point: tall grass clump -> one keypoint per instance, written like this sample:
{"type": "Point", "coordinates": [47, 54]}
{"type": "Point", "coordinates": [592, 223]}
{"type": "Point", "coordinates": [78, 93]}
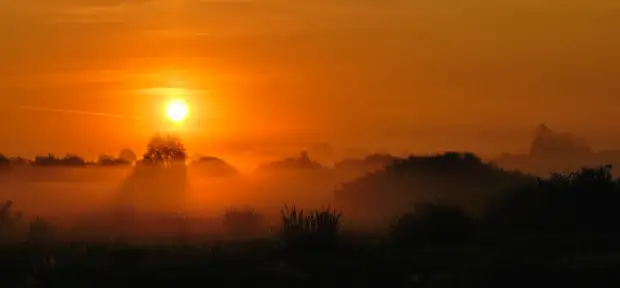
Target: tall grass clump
{"type": "Point", "coordinates": [243, 223]}
{"type": "Point", "coordinates": [316, 228]}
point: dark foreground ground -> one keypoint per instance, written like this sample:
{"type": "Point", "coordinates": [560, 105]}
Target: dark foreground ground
{"type": "Point", "coordinates": [556, 232]}
{"type": "Point", "coordinates": [355, 262]}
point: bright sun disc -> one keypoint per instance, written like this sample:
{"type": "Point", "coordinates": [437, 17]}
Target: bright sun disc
{"type": "Point", "coordinates": [177, 110]}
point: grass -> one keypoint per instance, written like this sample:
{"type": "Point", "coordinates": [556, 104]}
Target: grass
{"type": "Point", "coordinates": [313, 228]}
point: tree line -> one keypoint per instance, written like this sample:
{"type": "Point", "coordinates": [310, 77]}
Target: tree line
{"type": "Point", "coordinates": [125, 158]}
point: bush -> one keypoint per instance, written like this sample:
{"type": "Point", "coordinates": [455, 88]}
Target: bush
{"type": "Point", "coordinates": [41, 231]}
{"type": "Point", "coordinates": [243, 223]}
{"type": "Point", "coordinates": [9, 221]}
{"type": "Point", "coordinates": [432, 223]}
{"type": "Point", "coordinates": [580, 202]}
{"type": "Point", "coordinates": [316, 228]}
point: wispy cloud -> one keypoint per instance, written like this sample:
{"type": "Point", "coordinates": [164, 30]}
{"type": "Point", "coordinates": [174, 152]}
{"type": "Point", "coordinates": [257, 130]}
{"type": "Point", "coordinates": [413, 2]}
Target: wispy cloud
{"type": "Point", "coordinates": [177, 33]}
{"type": "Point", "coordinates": [70, 111]}
{"type": "Point", "coordinates": [93, 11]}
{"type": "Point", "coordinates": [108, 3]}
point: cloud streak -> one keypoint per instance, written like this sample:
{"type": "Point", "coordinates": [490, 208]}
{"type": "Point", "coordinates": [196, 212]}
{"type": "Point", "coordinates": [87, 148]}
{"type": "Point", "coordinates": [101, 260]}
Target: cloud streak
{"type": "Point", "coordinates": [75, 112]}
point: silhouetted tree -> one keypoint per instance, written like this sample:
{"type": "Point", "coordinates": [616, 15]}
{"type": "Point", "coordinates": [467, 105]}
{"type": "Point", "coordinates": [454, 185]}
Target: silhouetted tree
{"type": "Point", "coordinates": [581, 202]}
{"type": "Point", "coordinates": [457, 179]}
{"type": "Point", "coordinates": [547, 142]}
{"type": "Point", "coordinates": [371, 162]}
{"type": "Point", "coordinates": [50, 160]}
{"type": "Point", "coordinates": [107, 160]}
{"type": "Point", "coordinates": [164, 150]}
{"type": "Point", "coordinates": [214, 167]}
{"type": "Point", "coordinates": [4, 161]}
{"type": "Point", "coordinates": [352, 168]}
{"type": "Point", "coordinates": [302, 162]}
{"type": "Point", "coordinates": [19, 161]}
{"type": "Point", "coordinates": [128, 155]}
{"type": "Point", "coordinates": [159, 180]}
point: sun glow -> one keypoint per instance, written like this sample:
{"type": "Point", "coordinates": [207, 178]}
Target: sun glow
{"type": "Point", "coordinates": [177, 110]}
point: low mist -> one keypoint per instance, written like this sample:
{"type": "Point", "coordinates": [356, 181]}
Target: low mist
{"type": "Point", "coordinates": [164, 195]}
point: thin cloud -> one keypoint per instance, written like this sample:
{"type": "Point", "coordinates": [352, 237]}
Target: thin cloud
{"type": "Point", "coordinates": [107, 3]}
{"type": "Point", "coordinates": [75, 112]}
{"type": "Point", "coordinates": [178, 33]}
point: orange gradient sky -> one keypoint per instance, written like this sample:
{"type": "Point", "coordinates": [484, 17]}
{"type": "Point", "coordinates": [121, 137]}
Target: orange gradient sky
{"type": "Point", "coordinates": [271, 75]}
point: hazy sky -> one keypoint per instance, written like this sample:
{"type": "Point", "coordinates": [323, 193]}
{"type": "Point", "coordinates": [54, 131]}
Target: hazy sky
{"type": "Point", "coordinates": [420, 75]}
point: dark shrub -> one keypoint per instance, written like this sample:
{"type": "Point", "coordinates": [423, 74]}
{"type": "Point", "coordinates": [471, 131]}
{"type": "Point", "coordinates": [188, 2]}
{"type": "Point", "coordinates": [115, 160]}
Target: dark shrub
{"type": "Point", "coordinates": [432, 223]}
{"type": "Point", "coordinates": [67, 161]}
{"type": "Point", "coordinates": [9, 221]}
{"type": "Point", "coordinates": [580, 202]}
{"type": "Point", "coordinates": [243, 223]}
{"type": "Point", "coordinates": [458, 179]}
{"type": "Point", "coordinates": [41, 231]}
{"type": "Point", "coordinates": [4, 161]}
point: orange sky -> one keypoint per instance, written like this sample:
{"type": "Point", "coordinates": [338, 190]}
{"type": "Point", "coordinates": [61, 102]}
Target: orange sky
{"type": "Point", "coordinates": [262, 75]}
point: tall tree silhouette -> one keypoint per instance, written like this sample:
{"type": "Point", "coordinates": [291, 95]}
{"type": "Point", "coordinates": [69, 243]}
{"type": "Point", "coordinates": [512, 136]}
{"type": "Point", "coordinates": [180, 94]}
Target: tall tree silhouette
{"type": "Point", "coordinates": [164, 150]}
{"type": "Point", "coordinates": [158, 182]}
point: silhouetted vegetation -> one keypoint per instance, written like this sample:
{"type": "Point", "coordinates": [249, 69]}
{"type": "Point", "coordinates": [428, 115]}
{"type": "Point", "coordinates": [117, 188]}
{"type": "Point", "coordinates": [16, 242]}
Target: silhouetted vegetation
{"type": "Point", "coordinates": [107, 160]}
{"type": "Point", "coordinates": [128, 156]}
{"type": "Point", "coordinates": [316, 228]}
{"type": "Point", "coordinates": [9, 221]}
{"type": "Point", "coordinates": [432, 224]}
{"type": "Point", "coordinates": [159, 178]}
{"type": "Point", "coordinates": [244, 223]}
{"type": "Point", "coordinates": [19, 161]}
{"type": "Point", "coordinates": [547, 142]}
{"type": "Point", "coordinates": [552, 151]}
{"type": "Point", "coordinates": [4, 161]}
{"type": "Point", "coordinates": [583, 202]}
{"type": "Point", "coordinates": [41, 231]}
{"type": "Point", "coordinates": [164, 150]}
{"type": "Point", "coordinates": [66, 161]}
{"type": "Point", "coordinates": [300, 163]}
{"type": "Point", "coordinates": [458, 179]}
{"type": "Point", "coordinates": [449, 220]}
{"type": "Point", "coordinates": [369, 163]}
{"type": "Point", "coordinates": [214, 167]}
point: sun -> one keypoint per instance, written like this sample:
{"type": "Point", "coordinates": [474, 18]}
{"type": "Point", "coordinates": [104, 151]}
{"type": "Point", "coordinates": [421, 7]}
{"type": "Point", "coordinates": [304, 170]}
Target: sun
{"type": "Point", "coordinates": [177, 110]}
